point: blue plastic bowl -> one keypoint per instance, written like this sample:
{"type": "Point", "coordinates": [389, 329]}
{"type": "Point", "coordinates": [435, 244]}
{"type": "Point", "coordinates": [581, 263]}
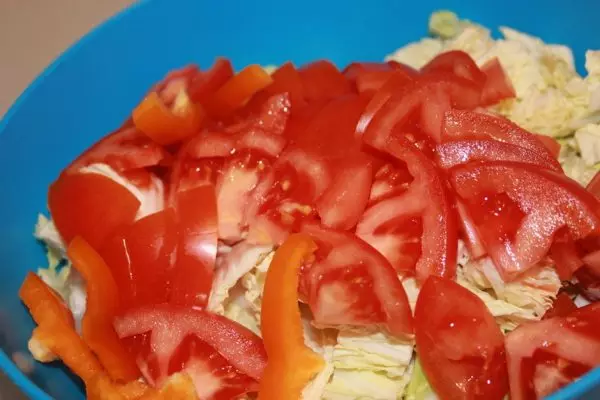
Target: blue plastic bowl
{"type": "Point", "coordinates": [92, 87]}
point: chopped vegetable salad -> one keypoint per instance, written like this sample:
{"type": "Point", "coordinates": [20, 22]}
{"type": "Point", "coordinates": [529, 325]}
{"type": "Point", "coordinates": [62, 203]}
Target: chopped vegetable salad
{"type": "Point", "coordinates": [419, 228]}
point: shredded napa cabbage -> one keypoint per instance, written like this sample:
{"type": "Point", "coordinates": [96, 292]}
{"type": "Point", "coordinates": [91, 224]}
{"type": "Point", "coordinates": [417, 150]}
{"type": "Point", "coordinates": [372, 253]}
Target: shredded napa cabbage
{"type": "Point", "coordinates": [418, 388]}
{"type": "Point", "coordinates": [552, 98]}
{"type": "Point", "coordinates": [524, 299]}
{"type": "Point", "coordinates": [369, 364]}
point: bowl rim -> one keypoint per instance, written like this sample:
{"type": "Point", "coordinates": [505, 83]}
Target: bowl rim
{"type": "Point", "coordinates": [7, 366]}
{"type": "Point", "coordinates": [573, 391]}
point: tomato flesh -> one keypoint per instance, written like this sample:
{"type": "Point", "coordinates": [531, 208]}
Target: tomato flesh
{"type": "Point", "coordinates": [459, 344]}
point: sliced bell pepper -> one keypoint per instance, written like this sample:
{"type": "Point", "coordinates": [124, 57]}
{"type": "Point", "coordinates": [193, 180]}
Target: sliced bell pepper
{"type": "Point", "coordinates": [101, 308]}
{"type": "Point", "coordinates": [166, 126]}
{"type": "Point", "coordinates": [238, 90]}
{"type": "Point", "coordinates": [178, 386]}
{"type": "Point", "coordinates": [291, 364]}
{"type": "Point", "coordinates": [56, 330]}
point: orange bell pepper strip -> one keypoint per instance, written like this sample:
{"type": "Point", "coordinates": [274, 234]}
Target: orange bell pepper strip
{"type": "Point", "coordinates": [167, 126]}
{"type": "Point", "coordinates": [56, 331]}
{"type": "Point", "coordinates": [238, 90]}
{"type": "Point", "coordinates": [291, 364]}
{"type": "Point", "coordinates": [101, 308]}
{"type": "Point", "coordinates": [178, 386]}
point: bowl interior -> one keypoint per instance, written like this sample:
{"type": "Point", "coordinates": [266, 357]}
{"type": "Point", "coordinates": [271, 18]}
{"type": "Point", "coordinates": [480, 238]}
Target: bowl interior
{"type": "Point", "coordinates": [91, 88]}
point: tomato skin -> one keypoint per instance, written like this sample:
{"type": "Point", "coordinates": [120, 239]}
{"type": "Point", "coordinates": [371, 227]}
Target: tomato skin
{"type": "Point", "coordinates": [287, 79]}
{"type": "Point", "coordinates": [428, 198]}
{"type": "Point", "coordinates": [322, 80]}
{"type": "Point", "coordinates": [196, 213]}
{"type": "Point", "coordinates": [123, 150]}
{"type": "Point", "coordinates": [342, 205]}
{"type": "Point", "coordinates": [206, 83]}
{"type": "Point", "coordinates": [497, 85]}
{"type": "Point", "coordinates": [458, 63]}
{"type": "Point", "coordinates": [348, 273]}
{"type": "Point", "coordinates": [547, 355]}
{"type": "Point", "coordinates": [461, 124]}
{"type": "Point", "coordinates": [563, 305]}
{"type": "Point", "coordinates": [140, 257]}
{"type": "Point", "coordinates": [458, 152]}
{"type": "Point", "coordinates": [525, 188]}
{"type": "Point", "coordinates": [91, 206]}
{"type": "Point", "coordinates": [165, 336]}
{"type": "Point", "coordinates": [459, 344]}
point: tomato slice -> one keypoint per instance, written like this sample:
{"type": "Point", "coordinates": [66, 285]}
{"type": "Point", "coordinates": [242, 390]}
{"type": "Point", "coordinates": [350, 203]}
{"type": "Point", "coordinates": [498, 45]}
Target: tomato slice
{"type": "Point", "coordinates": [322, 80]}
{"type": "Point", "coordinates": [547, 355]}
{"type": "Point", "coordinates": [565, 255]}
{"type": "Point", "coordinates": [124, 149]}
{"type": "Point", "coordinates": [141, 257]}
{"type": "Point", "coordinates": [390, 180]}
{"type": "Point", "coordinates": [497, 85]}
{"type": "Point", "coordinates": [221, 356]}
{"type": "Point", "coordinates": [469, 229]}
{"type": "Point", "coordinates": [458, 152]}
{"type": "Point", "coordinates": [396, 82]}
{"type": "Point", "coordinates": [460, 124]}
{"type": "Point", "coordinates": [206, 83]}
{"type": "Point", "coordinates": [91, 206]}
{"type": "Point", "coordinates": [458, 63]}
{"type": "Point", "coordinates": [551, 144]}
{"type": "Point", "coordinates": [517, 231]}
{"type": "Point", "coordinates": [563, 305]}
{"type": "Point", "coordinates": [287, 79]}
{"type": "Point", "coordinates": [343, 203]}
{"type": "Point", "coordinates": [352, 284]}
{"type": "Point", "coordinates": [196, 213]}
{"type": "Point", "coordinates": [459, 344]}
{"type": "Point", "coordinates": [389, 225]}
{"type": "Point", "coordinates": [240, 177]}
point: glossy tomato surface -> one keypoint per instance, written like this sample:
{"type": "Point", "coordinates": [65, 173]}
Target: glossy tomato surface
{"type": "Point", "coordinates": [90, 90]}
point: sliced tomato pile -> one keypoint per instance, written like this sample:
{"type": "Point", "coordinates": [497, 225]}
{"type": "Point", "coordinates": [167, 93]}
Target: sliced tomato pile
{"type": "Point", "coordinates": [385, 167]}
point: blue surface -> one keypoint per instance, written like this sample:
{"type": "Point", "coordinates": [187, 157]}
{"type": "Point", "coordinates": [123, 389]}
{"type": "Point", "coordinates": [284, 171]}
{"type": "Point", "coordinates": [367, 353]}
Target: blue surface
{"type": "Point", "coordinates": [92, 87]}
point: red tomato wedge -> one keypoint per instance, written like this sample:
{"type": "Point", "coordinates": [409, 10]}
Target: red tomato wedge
{"type": "Point", "coordinates": [458, 152]}
{"type": "Point", "coordinates": [287, 79]}
{"type": "Point", "coordinates": [470, 235]}
{"type": "Point", "coordinates": [551, 144]}
{"type": "Point", "coordinates": [396, 82]}
{"type": "Point", "coordinates": [389, 226]}
{"type": "Point", "coordinates": [125, 149]}
{"type": "Point", "coordinates": [546, 356]}
{"type": "Point", "coordinates": [91, 206]}
{"type": "Point", "coordinates": [458, 63]}
{"type": "Point", "coordinates": [460, 124]}
{"type": "Point", "coordinates": [141, 258]}
{"type": "Point", "coordinates": [343, 203]}
{"type": "Point", "coordinates": [196, 213]}
{"type": "Point", "coordinates": [352, 284]}
{"type": "Point", "coordinates": [565, 254]}
{"type": "Point", "coordinates": [206, 83]}
{"type": "Point", "coordinates": [505, 200]}
{"type": "Point", "coordinates": [563, 305]}
{"type": "Point", "coordinates": [459, 344]}
{"type": "Point", "coordinates": [439, 90]}
{"type": "Point", "coordinates": [322, 80]}
{"type": "Point", "coordinates": [390, 180]}
{"type": "Point", "coordinates": [223, 358]}
{"type": "Point", "coordinates": [497, 85]}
